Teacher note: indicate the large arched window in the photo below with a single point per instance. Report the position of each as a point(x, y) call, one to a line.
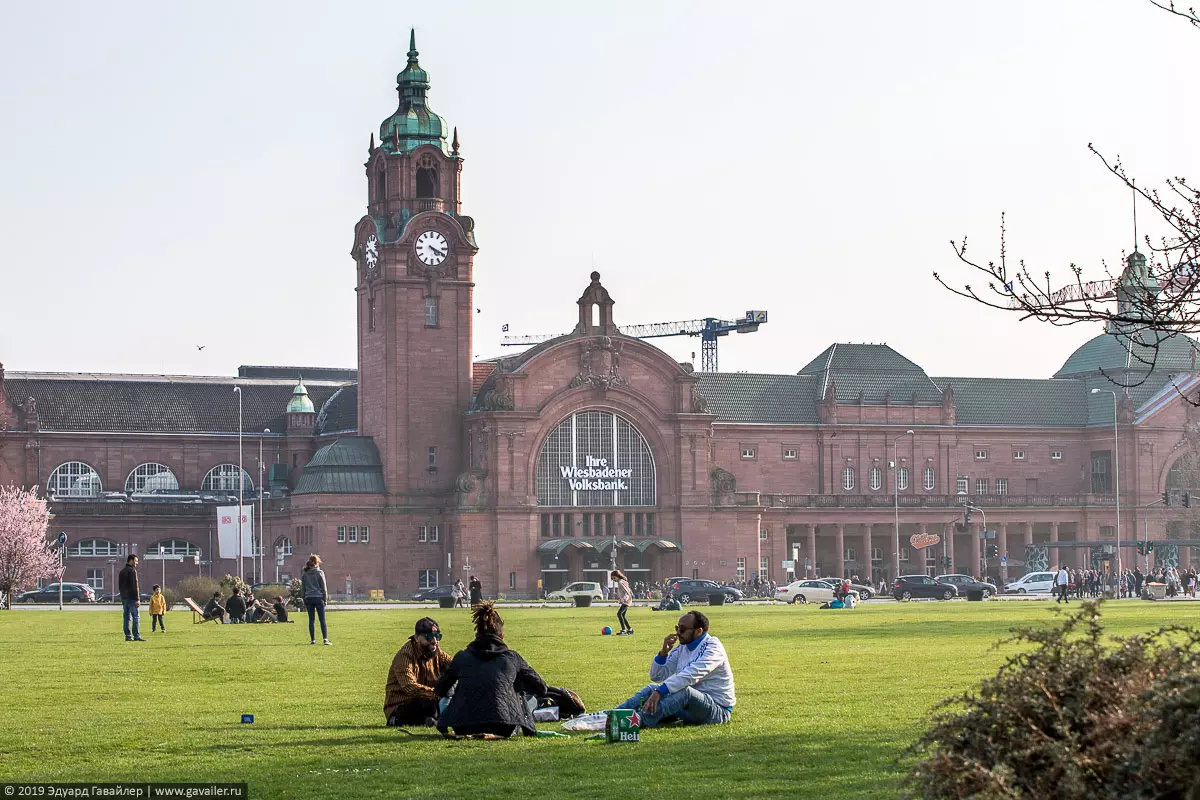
point(930, 479)
point(902, 479)
point(224, 478)
point(73, 479)
point(876, 479)
point(151, 477)
point(173, 547)
point(96, 547)
point(848, 478)
point(284, 545)
point(595, 458)
point(427, 181)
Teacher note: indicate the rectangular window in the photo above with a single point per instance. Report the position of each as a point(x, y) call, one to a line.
point(422, 534)
point(1001, 485)
point(640, 530)
point(876, 554)
point(627, 524)
point(586, 525)
point(433, 459)
point(556, 525)
point(371, 313)
point(95, 577)
point(1018, 455)
point(981, 486)
point(433, 533)
point(364, 534)
point(546, 525)
point(431, 320)
point(1056, 455)
point(1101, 472)
point(962, 486)
point(341, 534)
point(427, 579)
point(981, 455)
point(741, 568)
point(904, 555)
point(789, 452)
point(649, 524)
point(762, 535)
point(850, 555)
point(512, 580)
point(747, 452)
point(930, 479)
point(764, 566)
point(1107, 531)
point(353, 534)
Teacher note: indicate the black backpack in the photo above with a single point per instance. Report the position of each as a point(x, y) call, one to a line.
point(569, 704)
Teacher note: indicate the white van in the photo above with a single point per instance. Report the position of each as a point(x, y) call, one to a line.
point(1032, 583)
point(572, 590)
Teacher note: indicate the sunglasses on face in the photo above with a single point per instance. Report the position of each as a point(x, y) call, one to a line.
point(682, 628)
point(435, 636)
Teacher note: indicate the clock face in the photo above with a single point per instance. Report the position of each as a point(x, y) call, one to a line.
point(432, 248)
point(371, 253)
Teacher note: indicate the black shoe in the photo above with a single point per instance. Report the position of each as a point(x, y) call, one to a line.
point(129, 638)
point(139, 639)
point(629, 632)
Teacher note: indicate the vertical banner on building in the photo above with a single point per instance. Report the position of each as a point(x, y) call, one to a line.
point(227, 530)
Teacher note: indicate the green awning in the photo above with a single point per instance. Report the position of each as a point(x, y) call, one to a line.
point(604, 545)
point(555, 546)
point(663, 544)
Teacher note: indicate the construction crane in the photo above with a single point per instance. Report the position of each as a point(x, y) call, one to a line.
point(708, 329)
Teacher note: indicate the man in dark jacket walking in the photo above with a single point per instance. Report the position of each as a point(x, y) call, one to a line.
point(476, 589)
point(131, 600)
point(495, 689)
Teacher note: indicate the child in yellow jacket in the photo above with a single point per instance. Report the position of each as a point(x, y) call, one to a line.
point(158, 607)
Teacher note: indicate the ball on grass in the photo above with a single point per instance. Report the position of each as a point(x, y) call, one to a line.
point(607, 631)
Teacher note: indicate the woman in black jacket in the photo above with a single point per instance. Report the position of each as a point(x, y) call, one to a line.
point(495, 690)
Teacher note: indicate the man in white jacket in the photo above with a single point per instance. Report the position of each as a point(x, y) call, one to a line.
point(693, 681)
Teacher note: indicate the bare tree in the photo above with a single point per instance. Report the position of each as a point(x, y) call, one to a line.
point(1152, 300)
point(24, 554)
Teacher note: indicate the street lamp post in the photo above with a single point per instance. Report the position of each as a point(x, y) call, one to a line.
point(983, 546)
point(262, 502)
point(1116, 480)
point(241, 485)
point(896, 498)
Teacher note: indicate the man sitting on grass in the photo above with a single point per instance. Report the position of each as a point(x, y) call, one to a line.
point(408, 697)
point(695, 681)
point(213, 608)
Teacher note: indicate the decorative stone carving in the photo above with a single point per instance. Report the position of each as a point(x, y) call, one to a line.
point(723, 485)
point(499, 398)
point(599, 364)
point(699, 402)
point(469, 486)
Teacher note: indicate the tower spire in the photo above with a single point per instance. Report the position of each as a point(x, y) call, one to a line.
point(412, 46)
point(454, 142)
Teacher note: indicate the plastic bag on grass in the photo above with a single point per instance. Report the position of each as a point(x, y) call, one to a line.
point(587, 722)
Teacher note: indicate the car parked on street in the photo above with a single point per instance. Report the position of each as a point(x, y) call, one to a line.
point(72, 593)
point(864, 592)
point(434, 594)
point(809, 591)
point(577, 589)
point(1032, 583)
point(965, 583)
point(909, 586)
point(699, 589)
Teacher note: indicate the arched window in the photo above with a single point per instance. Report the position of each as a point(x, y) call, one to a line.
point(848, 478)
point(96, 547)
point(173, 547)
point(902, 478)
point(595, 458)
point(381, 186)
point(151, 477)
point(876, 479)
point(427, 182)
point(73, 479)
point(224, 478)
point(284, 544)
point(930, 479)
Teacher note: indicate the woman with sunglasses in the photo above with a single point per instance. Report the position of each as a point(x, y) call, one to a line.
point(408, 697)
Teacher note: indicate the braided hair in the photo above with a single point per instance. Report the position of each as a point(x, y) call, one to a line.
point(487, 620)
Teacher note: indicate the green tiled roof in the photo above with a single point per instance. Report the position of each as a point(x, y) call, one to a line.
point(747, 397)
point(1112, 353)
point(845, 357)
point(350, 465)
point(1019, 401)
point(870, 373)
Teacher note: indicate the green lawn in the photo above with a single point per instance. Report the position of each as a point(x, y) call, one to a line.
point(827, 701)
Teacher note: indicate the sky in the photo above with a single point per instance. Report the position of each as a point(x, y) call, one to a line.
point(182, 175)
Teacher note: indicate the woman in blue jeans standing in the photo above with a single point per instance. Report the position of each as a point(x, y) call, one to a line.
point(316, 594)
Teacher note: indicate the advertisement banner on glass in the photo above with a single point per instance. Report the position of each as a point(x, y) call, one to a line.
point(227, 528)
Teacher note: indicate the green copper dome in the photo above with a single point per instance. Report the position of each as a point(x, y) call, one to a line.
point(414, 123)
point(300, 402)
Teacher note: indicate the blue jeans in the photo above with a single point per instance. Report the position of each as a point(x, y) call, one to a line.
point(689, 706)
point(130, 610)
point(316, 607)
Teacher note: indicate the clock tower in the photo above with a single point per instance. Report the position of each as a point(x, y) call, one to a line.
point(414, 251)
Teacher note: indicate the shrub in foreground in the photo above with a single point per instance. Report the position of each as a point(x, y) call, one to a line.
point(1073, 716)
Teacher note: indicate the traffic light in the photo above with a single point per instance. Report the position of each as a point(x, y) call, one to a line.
point(992, 551)
point(1166, 498)
point(946, 562)
point(1149, 547)
point(1187, 499)
point(1141, 548)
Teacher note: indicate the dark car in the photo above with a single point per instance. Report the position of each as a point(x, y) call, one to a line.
point(909, 586)
point(72, 593)
point(698, 589)
point(965, 583)
point(435, 594)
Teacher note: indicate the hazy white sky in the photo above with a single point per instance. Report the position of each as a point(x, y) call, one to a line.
point(176, 174)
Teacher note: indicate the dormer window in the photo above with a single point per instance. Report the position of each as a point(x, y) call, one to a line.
point(427, 182)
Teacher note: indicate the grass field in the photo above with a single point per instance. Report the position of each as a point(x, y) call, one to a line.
point(827, 701)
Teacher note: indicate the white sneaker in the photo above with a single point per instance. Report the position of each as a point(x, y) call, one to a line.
point(328, 642)
point(314, 641)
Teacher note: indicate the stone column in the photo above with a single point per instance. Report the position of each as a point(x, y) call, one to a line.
point(839, 561)
point(974, 530)
point(1027, 532)
point(1055, 555)
point(916, 556)
point(812, 551)
point(867, 545)
point(1002, 547)
point(948, 538)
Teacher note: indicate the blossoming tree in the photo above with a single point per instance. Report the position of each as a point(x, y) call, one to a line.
point(24, 556)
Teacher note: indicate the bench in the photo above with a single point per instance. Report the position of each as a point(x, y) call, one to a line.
point(198, 617)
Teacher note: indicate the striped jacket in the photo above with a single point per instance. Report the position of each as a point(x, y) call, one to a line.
point(411, 677)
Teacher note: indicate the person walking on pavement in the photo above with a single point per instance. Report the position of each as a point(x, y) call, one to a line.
point(476, 591)
point(316, 595)
point(131, 600)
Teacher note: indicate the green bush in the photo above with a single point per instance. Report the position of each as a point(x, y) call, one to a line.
point(272, 591)
point(1075, 717)
point(197, 587)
